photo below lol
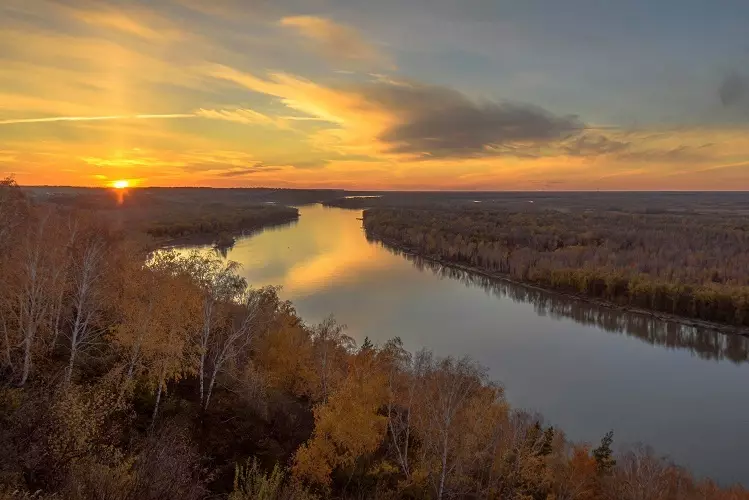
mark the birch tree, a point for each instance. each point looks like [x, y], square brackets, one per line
[405, 382]
[36, 276]
[251, 317]
[456, 415]
[220, 287]
[87, 280]
[331, 345]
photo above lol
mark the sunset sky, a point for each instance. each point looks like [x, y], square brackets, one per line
[377, 94]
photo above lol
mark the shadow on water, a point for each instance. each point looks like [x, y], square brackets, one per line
[705, 343]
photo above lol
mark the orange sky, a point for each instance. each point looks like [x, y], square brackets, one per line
[237, 94]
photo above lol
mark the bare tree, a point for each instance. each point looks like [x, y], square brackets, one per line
[452, 385]
[38, 277]
[229, 342]
[220, 286]
[328, 339]
[87, 277]
[405, 381]
[66, 263]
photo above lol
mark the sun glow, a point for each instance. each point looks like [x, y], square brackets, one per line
[121, 184]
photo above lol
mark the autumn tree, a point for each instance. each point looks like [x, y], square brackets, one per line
[348, 424]
[405, 381]
[252, 313]
[163, 314]
[88, 266]
[330, 347]
[220, 287]
[29, 289]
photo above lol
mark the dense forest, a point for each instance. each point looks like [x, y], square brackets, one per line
[129, 375]
[694, 266]
[645, 202]
[703, 342]
[181, 214]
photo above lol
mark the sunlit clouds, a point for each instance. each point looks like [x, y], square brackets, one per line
[337, 42]
[52, 119]
[447, 97]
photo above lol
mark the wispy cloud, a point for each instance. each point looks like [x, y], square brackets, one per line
[244, 116]
[125, 22]
[251, 170]
[338, 42]
[52, 119]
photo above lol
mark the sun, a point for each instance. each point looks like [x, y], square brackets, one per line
[121, 184]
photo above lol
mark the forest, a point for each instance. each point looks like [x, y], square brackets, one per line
[703, 342]
[181, 215]
[693, 265]
[129, 374]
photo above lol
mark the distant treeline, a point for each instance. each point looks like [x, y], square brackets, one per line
[183, 212]
[694, 266]
[678, 203]
[223, 221]
[702, 342]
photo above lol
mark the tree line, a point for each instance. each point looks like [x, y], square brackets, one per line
[703, 342]
[180, 213]
[694, 266]
[131, 375]
[222, 222]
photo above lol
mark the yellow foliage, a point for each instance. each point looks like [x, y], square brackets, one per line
[81, 423]
[347, 425]
[287, 359]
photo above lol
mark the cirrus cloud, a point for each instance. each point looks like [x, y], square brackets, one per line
[337, 42]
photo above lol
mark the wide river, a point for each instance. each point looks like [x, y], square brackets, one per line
[586, 369]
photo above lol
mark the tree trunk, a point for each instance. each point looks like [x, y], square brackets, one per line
[71, 362]
[133, 359]
[158, 399]
[6, 339]
[28, 342]
[210, 387]
[73, 348]
[202, 376]
[444, 468]
[204, 343]
[405, 451]
[58, 314]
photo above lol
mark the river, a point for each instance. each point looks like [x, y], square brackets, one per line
[587, 369]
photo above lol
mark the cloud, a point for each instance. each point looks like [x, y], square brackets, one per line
[733, 89]
[681, 153]
[51, 119]
[124, 22]
[593, 145]
[385, 117]
[242, 115]
[243, 171]
[338, 42]
[437, 121]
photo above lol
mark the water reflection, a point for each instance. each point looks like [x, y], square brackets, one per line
[705, 343]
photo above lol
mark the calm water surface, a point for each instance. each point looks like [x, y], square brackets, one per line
[587, 369]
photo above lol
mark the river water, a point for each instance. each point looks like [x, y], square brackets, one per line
[587, 369]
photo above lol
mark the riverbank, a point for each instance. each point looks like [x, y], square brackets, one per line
[717, 327]
[213, 237]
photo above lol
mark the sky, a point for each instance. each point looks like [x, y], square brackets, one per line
[386, 94]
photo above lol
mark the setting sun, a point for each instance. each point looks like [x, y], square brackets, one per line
[121, 184]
